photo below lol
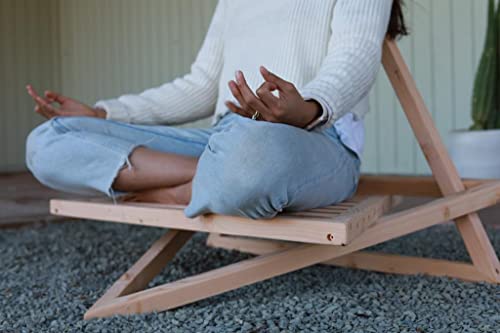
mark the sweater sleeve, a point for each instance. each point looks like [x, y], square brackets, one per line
[185, 99]
[354, 56]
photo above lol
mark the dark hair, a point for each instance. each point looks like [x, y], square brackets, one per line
[397, 25]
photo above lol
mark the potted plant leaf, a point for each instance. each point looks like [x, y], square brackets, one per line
[476, 152]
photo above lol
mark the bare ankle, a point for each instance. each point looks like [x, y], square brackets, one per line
[182, 193]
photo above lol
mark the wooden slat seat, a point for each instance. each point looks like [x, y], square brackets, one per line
[293, 241]
[334, 225]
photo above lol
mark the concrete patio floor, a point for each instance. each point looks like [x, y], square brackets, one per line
[23, 200]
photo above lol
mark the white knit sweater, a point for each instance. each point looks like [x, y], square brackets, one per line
[330, 50]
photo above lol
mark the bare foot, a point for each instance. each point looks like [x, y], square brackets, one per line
[178, 195]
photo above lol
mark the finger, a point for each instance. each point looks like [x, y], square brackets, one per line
[234, 108]
[32, 92]
[50, 99]
[250, 98]
[282, 85]
[266, 96]
[44, 107]
[54, 96]
[235, 90]
[40, 103]
[48, 110]
[42, 112]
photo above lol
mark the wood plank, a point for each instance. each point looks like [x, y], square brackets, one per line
[318, 215]
[389, 227]
[266, 266]
[338, 230]
[360, 217]
[413, 186]
[407, 265]
[476, 240]
[418, 218]
[333, 211]
[147, 267]
[255, 246]
[208, 284]
[406, 145]
[372, 261]
[294, 229]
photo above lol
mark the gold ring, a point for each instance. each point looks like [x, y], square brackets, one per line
[256, 115]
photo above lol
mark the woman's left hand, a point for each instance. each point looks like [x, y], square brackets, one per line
[289, 108]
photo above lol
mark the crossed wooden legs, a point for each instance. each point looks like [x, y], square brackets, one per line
[371, 261]
[144, 270]
[277, 258]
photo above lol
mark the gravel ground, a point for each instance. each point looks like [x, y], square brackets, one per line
[50, 275]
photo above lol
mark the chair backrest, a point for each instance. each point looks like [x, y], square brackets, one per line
[420, 119]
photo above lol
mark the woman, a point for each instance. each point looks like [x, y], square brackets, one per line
[289, 81]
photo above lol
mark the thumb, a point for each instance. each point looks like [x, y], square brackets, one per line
[270, 77]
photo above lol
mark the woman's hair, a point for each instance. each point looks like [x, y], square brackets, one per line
[397, 25]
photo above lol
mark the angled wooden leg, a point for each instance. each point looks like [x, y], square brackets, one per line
[408, 186]
[371, 261]
[408, 265]
[455, 205]
[479, 246]
[191, 289]
[145, 269]
[470, 227]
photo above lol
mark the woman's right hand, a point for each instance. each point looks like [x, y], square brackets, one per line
[68, 107]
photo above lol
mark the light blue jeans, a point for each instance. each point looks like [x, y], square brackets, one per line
[246, 168]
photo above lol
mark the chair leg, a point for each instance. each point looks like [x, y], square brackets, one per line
[479, 246]
[144, 270]
[476, 240]
[191, 289]
[371, 261]
[267, 266]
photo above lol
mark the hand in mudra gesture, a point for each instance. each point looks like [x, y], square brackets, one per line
[67, 107]
[289, 108]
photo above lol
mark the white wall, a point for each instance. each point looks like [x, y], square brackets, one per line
[29, 52]
[116, 46]
[442, 52]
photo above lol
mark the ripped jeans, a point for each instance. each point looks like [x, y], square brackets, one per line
[246, 168]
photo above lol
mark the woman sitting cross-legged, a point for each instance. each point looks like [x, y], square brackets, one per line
[287, 82]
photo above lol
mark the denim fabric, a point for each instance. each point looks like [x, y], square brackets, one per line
[246, 168]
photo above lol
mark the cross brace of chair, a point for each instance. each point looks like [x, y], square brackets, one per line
[460, 202]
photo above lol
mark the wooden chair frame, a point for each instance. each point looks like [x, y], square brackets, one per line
[455, 200]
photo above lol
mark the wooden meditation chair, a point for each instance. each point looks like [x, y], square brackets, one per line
[332, 235]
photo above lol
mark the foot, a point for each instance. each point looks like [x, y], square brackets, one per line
[178, 195]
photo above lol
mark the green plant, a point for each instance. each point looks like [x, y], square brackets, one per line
[485, 98]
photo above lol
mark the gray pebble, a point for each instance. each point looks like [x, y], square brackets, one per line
[49, 276]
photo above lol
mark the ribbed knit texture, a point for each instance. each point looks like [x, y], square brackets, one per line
[330, 50]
